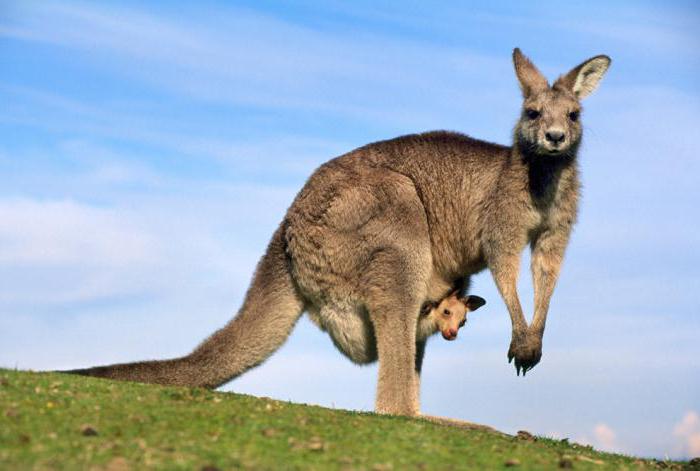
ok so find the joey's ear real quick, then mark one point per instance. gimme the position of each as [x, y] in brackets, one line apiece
[474, 302]
[531, 80]
[427, 307]
[584, 78]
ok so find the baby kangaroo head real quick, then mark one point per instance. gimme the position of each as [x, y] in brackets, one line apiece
[451, 313]
[549, 124]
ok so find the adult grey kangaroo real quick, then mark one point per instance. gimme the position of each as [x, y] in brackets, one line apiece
[379, 231]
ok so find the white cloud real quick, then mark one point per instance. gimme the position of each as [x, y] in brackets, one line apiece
[605, 438]
[687, 432]
[57, 252]
[65, 232]
[689, 424]
[62, 251]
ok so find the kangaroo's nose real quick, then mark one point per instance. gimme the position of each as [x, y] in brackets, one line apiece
[554, 137]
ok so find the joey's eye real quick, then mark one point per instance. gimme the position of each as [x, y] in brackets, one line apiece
[573, 116]
[446, 312]
[532, 114]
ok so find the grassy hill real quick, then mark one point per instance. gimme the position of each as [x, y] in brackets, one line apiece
[53, 421]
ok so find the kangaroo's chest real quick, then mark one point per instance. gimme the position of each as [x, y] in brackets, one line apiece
[556, 212]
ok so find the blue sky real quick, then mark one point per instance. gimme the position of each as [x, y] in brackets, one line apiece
[147, 152]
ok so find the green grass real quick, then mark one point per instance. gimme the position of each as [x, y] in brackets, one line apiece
[54, 421]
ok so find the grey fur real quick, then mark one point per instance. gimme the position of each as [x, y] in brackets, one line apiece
[377, 232]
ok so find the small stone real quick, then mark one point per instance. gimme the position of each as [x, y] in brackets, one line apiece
[24, 439]
[316, 444]
[383, 467]
[525, 435]
[209, 467]
[565, 462]
[88, 431]
[269, 432]
[512, 462]
[695, 462]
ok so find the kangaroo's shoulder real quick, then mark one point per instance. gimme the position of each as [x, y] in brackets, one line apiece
[439, 139]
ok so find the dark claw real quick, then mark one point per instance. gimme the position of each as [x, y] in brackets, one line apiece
[526, 352]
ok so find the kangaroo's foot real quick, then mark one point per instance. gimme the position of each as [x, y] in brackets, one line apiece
[526, 349]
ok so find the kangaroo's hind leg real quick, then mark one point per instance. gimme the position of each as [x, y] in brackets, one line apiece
[394, 312]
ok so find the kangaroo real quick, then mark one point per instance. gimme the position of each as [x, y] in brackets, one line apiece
[370, 237]
[447, 316]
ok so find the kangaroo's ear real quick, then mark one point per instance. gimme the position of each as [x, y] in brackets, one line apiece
[531, 80]
[474, 302]
[584, 78]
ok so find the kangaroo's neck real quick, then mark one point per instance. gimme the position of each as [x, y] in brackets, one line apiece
[548, 178]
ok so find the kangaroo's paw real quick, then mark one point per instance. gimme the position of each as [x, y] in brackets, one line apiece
[526, 349]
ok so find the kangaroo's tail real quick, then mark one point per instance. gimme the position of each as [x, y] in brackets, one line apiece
[271, 308]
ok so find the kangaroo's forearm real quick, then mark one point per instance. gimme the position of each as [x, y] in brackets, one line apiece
[547, 257]
[505, 273]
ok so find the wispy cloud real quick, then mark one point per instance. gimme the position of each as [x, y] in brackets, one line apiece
[687, 432]
[263, 153]
[64, 252]
[288, 66]
[73, 253]
[65, 232]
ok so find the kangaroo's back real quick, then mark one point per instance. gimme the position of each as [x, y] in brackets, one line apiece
[456, 177]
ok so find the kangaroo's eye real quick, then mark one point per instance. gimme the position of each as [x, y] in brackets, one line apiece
[532, 114]
[573, 116]
[446, 312]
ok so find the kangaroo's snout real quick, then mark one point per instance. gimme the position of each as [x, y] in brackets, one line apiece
[449, 334]
[555, 136]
